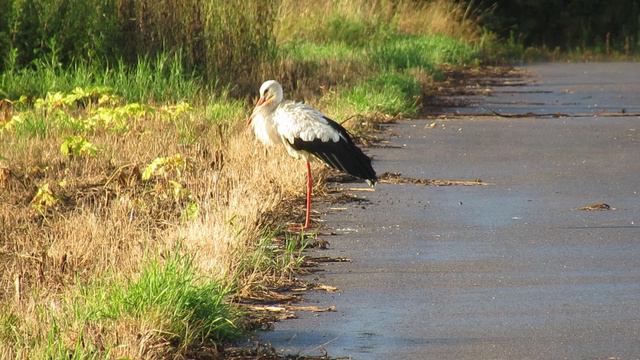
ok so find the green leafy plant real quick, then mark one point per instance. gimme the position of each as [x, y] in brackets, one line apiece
[78, 96]
[190, 211]
[44, 199]
[78, 146]
[117, 118]
[177, 110]
[165, 166]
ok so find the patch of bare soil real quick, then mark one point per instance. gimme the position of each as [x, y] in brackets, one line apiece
[461, 82]
[397, 178]
[276, 304]
[267, 352]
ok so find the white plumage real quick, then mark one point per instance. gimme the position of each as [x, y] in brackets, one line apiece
[264, 129]
[306, 133]
[263, 125]
[300, 121]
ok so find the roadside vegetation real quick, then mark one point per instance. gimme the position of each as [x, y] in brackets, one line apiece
[135, 206]
[585, 30]
[558, 30]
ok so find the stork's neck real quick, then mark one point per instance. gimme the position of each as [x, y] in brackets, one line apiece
[270, 106]
[265, 110]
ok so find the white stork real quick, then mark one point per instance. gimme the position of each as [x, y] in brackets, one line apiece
[306, 133]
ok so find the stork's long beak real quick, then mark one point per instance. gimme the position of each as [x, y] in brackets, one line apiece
[260, 101]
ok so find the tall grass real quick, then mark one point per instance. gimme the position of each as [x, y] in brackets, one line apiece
[159, 79]
[455, 19]
[361, 21]
[229, 43]
[427, 52]
[74, 28]
[225, 41]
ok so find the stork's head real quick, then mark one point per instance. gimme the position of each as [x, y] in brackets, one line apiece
[270, 97]
[270, 94]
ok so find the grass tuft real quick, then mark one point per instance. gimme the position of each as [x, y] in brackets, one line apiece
[192, 306]
[395, 94]
[169, 301]
[426, 52]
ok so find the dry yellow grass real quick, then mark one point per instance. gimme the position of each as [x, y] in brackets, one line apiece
[253, 183]
[318, 15]
[106, 219]
[444, 17]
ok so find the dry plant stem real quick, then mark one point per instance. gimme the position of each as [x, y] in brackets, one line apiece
[307, 218]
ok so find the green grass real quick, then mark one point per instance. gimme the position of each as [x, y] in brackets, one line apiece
[392, 52]
[184, 308]
[391, 93]
[109, 31]
[193, 307]
[271, 258]
[348, 31]
[32, 125]
[158, 79]
[426, 52]
[9, 326]
[390, 86]
[513, 51]
[223, 109]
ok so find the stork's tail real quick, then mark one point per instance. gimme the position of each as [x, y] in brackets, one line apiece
[343, 154]
[358, 164]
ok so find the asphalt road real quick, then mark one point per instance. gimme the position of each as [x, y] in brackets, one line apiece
[512, 270]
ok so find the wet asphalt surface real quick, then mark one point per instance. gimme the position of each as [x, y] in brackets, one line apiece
[507, 271]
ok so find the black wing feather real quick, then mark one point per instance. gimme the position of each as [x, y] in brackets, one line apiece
[343, 155]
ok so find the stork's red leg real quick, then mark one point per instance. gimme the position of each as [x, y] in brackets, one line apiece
[307, 219]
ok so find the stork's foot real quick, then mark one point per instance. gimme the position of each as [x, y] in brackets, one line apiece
[300, 228]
